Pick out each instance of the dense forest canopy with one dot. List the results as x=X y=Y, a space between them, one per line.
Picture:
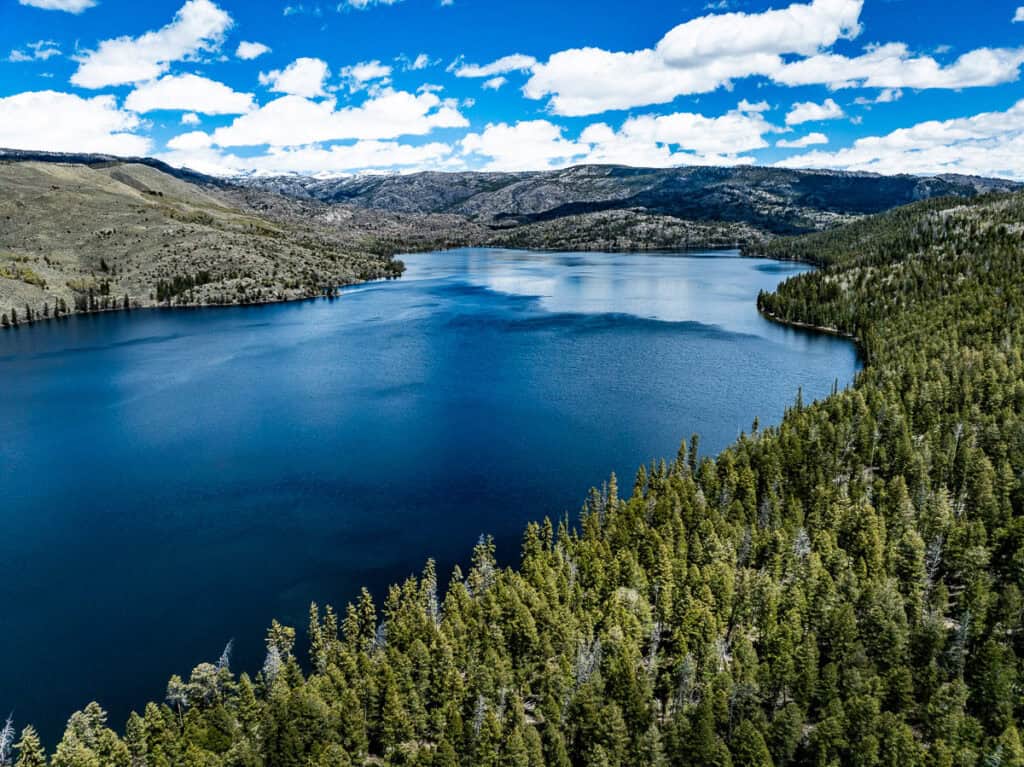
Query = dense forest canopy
x=845 y=588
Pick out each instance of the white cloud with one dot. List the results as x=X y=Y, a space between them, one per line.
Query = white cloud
x=188 y=93
x=40 y=50
x=358 y=75
x=732 y=133
x=987 y=144
x=303 y=77
x=362 y=5
x=698 y=56
x=187 y=142
x=517 y=62
x=1018 y=17
x=71 y=6
x=494 y=83
x=886 y=96
x=190 y=118
x=292 y=121
x=415 y=65
x=198 y=26
x=801 y=29
x=362 y=155
x=647 y=141
x=194 y=152
x=894 y=66
x=248 y=51
x=808 y=111
x=681 y=138
x=532 y=144
x=811 y=139
x=64 y=122
x=617 y=148
x=788 y=46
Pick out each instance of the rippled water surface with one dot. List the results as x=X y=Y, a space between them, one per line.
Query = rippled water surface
x=173 y=479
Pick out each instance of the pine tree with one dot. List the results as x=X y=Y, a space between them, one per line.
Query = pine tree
x=748 y=747
x=135 y=739
x=30 y=749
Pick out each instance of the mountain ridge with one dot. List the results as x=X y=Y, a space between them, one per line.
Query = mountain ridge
x=90 y=232
x=780 y=200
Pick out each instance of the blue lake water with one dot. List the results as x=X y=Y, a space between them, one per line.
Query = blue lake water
x=175 y=479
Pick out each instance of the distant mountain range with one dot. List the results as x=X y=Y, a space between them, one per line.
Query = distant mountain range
x=86 y=232
x=776 y=200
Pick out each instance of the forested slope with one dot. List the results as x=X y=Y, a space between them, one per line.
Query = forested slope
x=842 y=589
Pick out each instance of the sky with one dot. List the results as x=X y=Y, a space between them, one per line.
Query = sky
x=355 y=86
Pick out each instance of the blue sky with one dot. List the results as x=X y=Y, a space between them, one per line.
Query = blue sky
x=224 y=86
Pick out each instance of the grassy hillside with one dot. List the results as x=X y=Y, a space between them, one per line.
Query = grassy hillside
x=92 y=237
x=847 y=588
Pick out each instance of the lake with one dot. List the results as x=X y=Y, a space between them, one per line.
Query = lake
x=173 y=479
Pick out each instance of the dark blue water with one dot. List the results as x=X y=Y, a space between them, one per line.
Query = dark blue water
x=175 y=479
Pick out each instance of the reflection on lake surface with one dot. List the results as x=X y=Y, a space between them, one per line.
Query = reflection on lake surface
x=173 y=479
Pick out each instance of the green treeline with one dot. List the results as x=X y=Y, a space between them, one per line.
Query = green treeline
x=845 y=589
x=178 y=284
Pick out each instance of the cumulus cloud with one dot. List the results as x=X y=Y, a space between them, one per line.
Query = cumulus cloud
x=40 y=50
x=190 y=118
x=517 y=62
x=886 y=96
x=362 y=155
x=187 y=142
x=698 y=56
x=732 y=133
x=71 y=6
x=811 y=139
x=759 y=106
x=987 y=144
x=788 y=46
x=188 y=93
x=808 y=111
x=248 y=51
x=198 y=26
x=359 y=75
x=303 y=77
x=1018 y=17
x=532 y=144
x=65 y=122
x=799 y=29
x=494 y=83
x=649 y=140
x=681 y=138
x=292 y=121
x=194 y=152
x=894 y=66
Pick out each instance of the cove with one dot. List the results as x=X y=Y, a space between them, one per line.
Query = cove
x=175 y=479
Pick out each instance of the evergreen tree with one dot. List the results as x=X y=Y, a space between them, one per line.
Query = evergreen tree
x=30 y=749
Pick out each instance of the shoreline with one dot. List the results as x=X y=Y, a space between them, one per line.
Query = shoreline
x=340 y=288
x=807 y=326
x=861 y=351
x=174 y=307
